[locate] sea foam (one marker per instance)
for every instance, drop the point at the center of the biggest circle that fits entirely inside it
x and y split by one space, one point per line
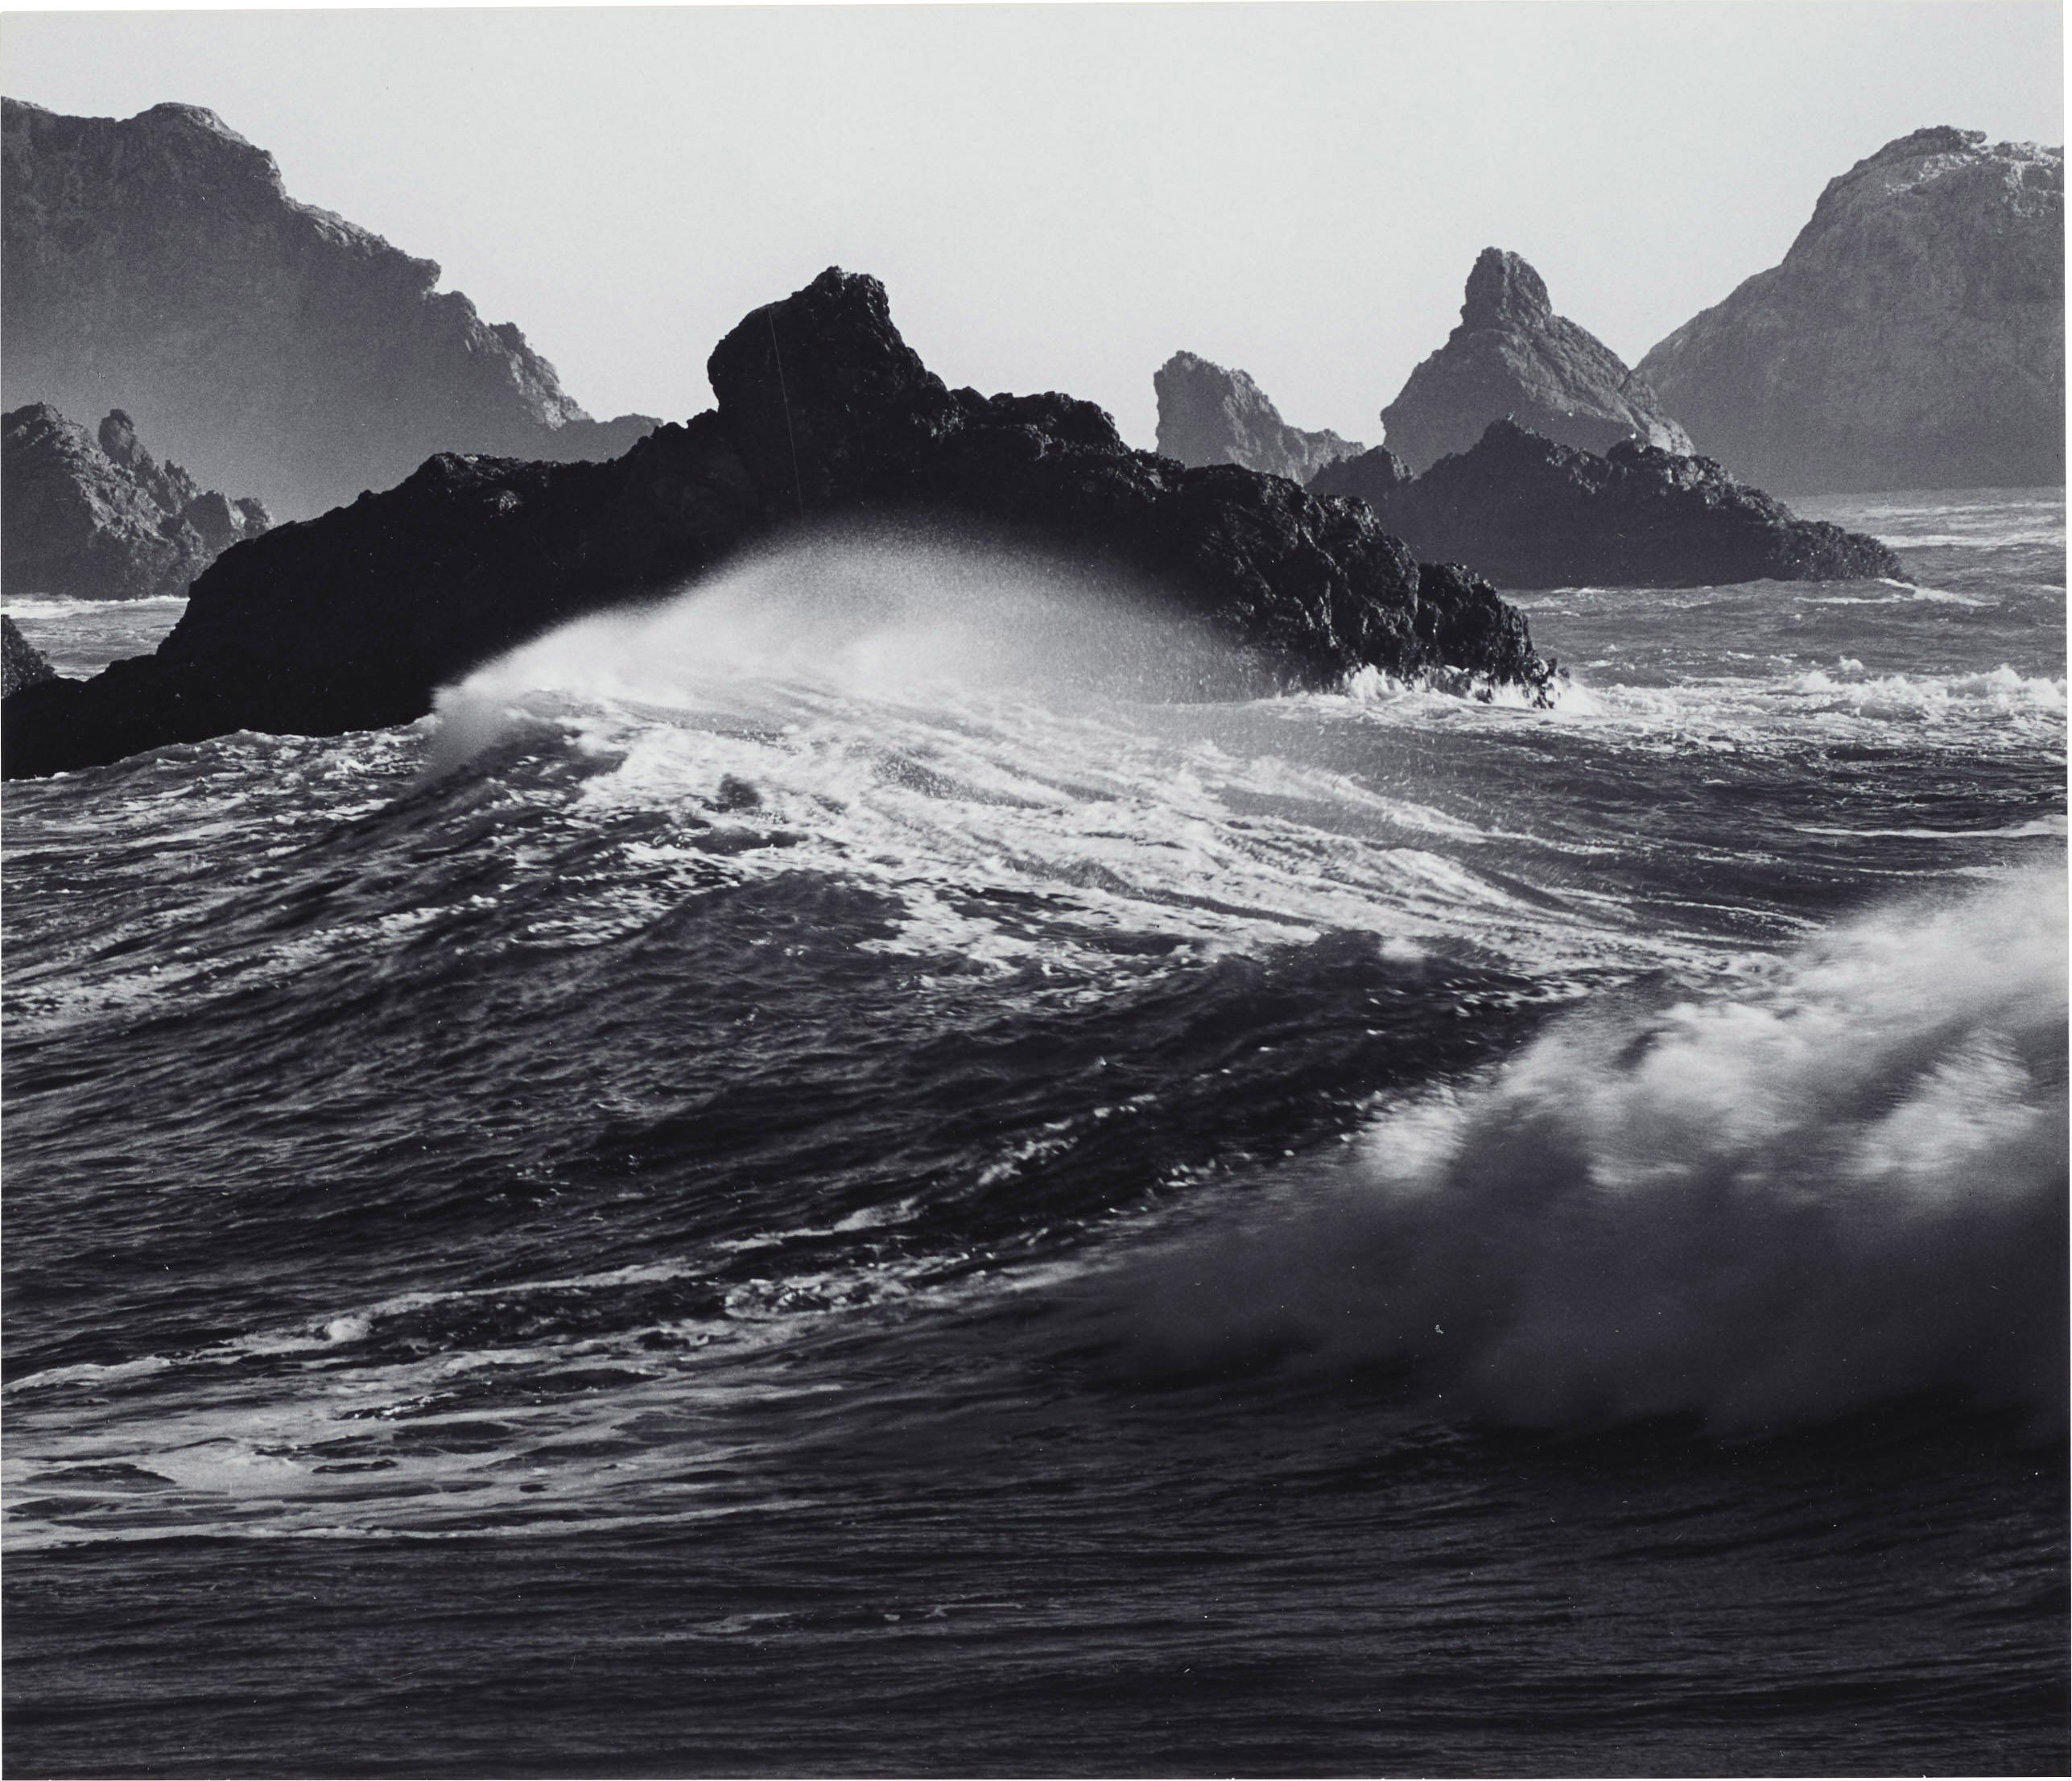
1841 1183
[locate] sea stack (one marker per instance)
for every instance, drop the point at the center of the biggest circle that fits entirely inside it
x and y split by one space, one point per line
1208 415
1513 358
1528 512
1913 337
353 620
157 264
100 519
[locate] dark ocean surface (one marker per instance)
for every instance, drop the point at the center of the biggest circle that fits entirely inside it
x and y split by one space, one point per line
804 1181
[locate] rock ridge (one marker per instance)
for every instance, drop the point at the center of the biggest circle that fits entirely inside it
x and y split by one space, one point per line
157 264
1528 512
353 619
100 519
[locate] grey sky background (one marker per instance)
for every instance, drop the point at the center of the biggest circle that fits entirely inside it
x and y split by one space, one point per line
1059 196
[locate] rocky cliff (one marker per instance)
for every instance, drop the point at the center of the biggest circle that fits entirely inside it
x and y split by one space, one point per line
156 264
353 619
1513 358
1529 513
102 519
1913 337
1207 414
22 663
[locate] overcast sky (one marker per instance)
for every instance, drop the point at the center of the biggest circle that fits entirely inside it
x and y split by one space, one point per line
1059 196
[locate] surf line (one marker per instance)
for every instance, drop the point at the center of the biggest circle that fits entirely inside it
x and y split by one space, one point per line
783 396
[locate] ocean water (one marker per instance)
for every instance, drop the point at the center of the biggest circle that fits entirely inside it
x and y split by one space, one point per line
821 1178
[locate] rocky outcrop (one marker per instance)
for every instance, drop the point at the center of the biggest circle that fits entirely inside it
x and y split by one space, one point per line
1374 476
156 263
1914 337
353 620
1529 513
22 663
1207 415
103 519
1513 358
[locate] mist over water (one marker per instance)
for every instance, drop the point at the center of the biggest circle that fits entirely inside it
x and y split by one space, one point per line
898 616
845 1162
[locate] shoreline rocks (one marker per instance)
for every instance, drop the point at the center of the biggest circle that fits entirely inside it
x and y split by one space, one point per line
102 519
1528 512
1913 337
353 620
1513 358
157 263
1208 415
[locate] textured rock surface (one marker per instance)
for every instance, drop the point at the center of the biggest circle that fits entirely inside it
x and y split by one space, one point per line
22 663
155 264
103 519
1208 415
1373 477
1513 358
1913 337
353 619
1529 513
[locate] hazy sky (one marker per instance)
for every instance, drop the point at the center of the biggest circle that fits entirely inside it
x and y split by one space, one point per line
1058 196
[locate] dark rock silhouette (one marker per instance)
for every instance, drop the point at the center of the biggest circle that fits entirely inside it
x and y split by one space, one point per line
353 620
105 520
1207 414
156 263
1913 337
1513 358
1373 477
1529 513
22 663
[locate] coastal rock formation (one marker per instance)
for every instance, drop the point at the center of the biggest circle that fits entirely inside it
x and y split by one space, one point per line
1914 337
1207 415
1529 513
156 263
104 520
1513 358
22 663
1373 477
353 619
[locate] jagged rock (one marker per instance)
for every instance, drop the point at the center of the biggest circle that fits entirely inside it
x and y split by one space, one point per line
1372 476
1913 337
156 262
1513 358
1208 415
353 620
22 663
105 520
1529 513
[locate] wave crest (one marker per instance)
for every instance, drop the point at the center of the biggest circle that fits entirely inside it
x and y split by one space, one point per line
1844 1183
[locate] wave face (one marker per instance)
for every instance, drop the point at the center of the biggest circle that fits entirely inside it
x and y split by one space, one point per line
843 1171
1842 1184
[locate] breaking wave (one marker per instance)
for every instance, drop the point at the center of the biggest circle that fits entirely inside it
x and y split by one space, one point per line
1842 1184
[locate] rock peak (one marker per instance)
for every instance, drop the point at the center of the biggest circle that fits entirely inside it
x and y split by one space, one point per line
1512 355
1913 337
1936 139
172 111
1210 414
1504 291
